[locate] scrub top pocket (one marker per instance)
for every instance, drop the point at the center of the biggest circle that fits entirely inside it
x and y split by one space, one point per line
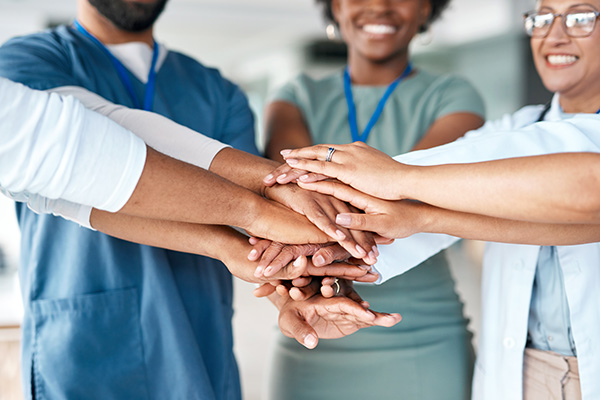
89 347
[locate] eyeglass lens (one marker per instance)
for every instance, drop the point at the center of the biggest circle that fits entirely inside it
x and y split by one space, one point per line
576 23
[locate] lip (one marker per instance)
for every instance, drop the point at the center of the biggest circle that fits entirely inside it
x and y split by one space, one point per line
560 60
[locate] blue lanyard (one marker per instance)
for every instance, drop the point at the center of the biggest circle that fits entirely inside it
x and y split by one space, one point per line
352 108
124 74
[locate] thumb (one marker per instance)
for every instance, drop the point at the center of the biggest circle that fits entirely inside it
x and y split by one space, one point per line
295 326
361 222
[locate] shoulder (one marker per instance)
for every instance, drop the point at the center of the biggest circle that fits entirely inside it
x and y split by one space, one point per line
196 70
446 94
307 89
57 42
510 122
444 83
519 119
26 58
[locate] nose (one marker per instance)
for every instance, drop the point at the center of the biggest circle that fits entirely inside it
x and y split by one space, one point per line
557 31
378 4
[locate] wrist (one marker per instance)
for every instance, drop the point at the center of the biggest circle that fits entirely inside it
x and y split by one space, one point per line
407 179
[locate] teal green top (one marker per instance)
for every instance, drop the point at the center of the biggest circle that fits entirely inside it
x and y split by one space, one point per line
429 354
409 112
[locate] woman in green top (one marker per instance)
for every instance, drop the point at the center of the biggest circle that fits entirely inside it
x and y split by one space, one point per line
382 100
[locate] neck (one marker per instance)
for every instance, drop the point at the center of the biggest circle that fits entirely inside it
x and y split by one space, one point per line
366 72
580 104
104 30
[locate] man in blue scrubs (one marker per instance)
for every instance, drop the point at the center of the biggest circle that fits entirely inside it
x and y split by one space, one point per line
106 318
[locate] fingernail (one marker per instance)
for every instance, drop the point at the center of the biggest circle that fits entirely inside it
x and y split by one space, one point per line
292 161
303 178
376 251
340 235
268 270
285 152
297 262
310 341
319 260
343 220
269 177
361 251
366 267
253 253
282 176
372 256
258 272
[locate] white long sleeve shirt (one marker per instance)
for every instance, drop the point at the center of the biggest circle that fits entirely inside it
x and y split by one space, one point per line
54 147
508 269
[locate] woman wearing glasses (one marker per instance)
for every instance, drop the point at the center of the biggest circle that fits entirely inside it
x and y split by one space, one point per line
540 336
382 100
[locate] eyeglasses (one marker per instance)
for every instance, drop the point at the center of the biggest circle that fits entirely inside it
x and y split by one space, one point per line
576 23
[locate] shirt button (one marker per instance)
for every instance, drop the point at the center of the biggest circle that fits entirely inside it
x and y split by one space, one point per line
550 338
509 343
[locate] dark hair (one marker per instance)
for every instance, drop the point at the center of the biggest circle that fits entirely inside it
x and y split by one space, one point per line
437 6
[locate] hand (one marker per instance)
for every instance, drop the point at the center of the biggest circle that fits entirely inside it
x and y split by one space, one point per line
274 256
318 317
285 174
355 164
390 219
321 211
274 221
301 267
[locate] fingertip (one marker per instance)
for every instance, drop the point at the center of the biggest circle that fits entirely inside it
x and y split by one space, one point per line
253 256
343 220
327 291
284 153
361 251
296 294
281 178
376 251
318 261
291 161
298 262
310 341
282 290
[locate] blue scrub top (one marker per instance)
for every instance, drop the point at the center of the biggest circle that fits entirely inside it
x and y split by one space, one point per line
110 319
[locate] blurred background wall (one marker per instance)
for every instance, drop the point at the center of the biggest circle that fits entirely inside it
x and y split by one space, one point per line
260 44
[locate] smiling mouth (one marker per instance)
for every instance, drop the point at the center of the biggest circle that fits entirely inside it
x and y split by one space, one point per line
379 29
561 60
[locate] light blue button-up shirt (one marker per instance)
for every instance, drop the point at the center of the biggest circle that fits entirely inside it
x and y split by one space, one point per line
549 317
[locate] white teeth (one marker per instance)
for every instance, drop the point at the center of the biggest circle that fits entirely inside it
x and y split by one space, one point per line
379 29
561 59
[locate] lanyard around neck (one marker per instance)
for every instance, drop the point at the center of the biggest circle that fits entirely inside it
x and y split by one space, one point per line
124 74
352 108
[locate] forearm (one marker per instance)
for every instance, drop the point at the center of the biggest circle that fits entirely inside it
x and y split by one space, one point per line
174 190
209 240
242 168
479 227
559 188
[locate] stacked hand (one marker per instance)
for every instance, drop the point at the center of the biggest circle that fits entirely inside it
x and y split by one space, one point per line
311 283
